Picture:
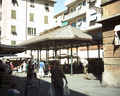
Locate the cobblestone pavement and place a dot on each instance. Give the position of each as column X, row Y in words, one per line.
column 77, row 84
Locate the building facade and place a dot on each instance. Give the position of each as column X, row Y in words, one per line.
column 82, row 16
column 24, row 19
column 111, row 25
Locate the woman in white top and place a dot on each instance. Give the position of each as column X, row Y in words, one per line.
column 24, row 66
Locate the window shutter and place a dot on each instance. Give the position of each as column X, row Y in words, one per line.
column 28, row 31
column 14, row 28
column 1, row 16
column 13, row 43
column 31, row 17
column 45, row 19
column 13, row 14
column 11, row 28
column 35, row 31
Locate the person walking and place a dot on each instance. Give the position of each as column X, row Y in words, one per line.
column 57, row 76
column 12, row 66
column 24, row 67
column 47, row 69
column 30, row 70
column 85, row 64
column 41, row 68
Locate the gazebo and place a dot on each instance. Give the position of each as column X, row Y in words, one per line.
column 62, row 38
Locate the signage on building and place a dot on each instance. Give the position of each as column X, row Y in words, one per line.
column 65, row 23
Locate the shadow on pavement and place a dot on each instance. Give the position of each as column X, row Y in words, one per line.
column 43, row 87
column 98, row 76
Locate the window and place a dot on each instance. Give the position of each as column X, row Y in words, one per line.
column 13, row 14
column 13, row 43
column 32, row 3
column 79, row 23
column 84, row 20
column 31, row 17
column 99, row 34
column 73, row 9
column 79, row 6
column 13, row 30
column 0, row 30
column 84, row 23
column 84, row 3
column 0, row 15
column 31, row 31
column 73, row 24
column 93, row 17
column 46, row 7
column 46, row 19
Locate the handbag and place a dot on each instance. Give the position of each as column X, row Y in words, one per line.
column 66, row 91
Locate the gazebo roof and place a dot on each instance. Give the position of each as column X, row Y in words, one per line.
column 62, row 37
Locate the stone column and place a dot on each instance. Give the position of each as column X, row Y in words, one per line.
column 111, row 75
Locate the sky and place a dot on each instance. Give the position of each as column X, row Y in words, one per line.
column 59, row 6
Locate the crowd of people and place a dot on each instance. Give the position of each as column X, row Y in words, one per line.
column 56, row 72
column 6, row 66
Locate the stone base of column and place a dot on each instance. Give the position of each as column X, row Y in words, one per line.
column 111, row 76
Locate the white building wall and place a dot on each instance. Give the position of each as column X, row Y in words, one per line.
column 20, row 21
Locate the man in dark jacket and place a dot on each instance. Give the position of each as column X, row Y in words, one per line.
column 57, row 79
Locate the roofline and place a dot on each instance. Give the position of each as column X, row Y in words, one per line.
column 49, row 1
column 59, row 13
column 108, row 18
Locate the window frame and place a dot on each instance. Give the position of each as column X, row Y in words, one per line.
column 32, row 17
column 13, row 42
column 73, row 23
column 46, row 19
column 0, row 15
column 32, row 3
column 13, row 15
column 84, row 3
column 31, row 31
column 13, row 28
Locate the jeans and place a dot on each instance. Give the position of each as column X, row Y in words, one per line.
column 58, row 90
column 41, row 72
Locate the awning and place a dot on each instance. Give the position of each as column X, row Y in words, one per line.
column 7, row 49
column 18, row 55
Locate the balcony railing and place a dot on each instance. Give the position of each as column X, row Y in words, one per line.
column 75, row 13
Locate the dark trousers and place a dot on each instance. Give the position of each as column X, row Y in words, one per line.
column 58, row 90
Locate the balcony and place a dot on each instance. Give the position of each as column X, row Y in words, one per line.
column 70, row 2
column 74, row 14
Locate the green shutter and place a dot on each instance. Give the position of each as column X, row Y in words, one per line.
column 13, row 28
column 13, row 14
column 0, row 15
column 13, row 42
column 35, row 31
column 31, row 17
column 45, row 19
column 28, row 31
